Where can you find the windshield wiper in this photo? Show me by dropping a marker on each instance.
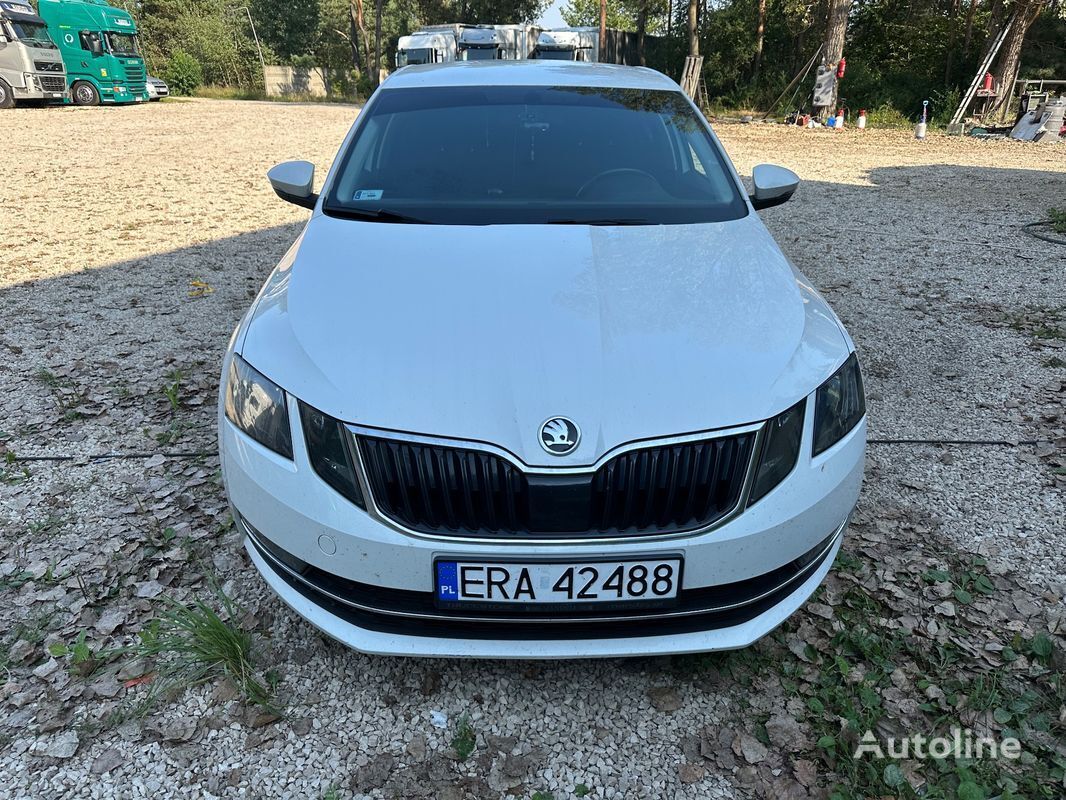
(623, 221)
(375, 214)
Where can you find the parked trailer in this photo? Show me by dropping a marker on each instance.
(517, 42)
(583, 44)
(31, 68)
(99, 46)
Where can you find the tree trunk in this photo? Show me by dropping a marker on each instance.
(836, 26)
(603, 30)
(693, 28)
(760, 33)
(361, 24)
(642, 28)
(1011, 58)
(377, 41)
(953, 38)
(353, 31)
(968, 36)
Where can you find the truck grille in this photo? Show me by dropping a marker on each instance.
(135, 78)
(52, 83)
(48, 66)
(464, 492)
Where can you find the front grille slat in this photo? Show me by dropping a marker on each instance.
(52, 83)
(462, 492)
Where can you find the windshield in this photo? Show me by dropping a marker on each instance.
(534, 155)
(416, 55)
(122, 44)
(556, 55)
(34, 34)
(479, 53)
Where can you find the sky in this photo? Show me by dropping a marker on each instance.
(551, 18)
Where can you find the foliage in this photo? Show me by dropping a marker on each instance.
(465, 740)
(183, 73)
(899, 52)
(621, 14)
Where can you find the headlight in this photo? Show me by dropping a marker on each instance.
(839, 405)
(780, 449)
(330, 453)
(257, 406)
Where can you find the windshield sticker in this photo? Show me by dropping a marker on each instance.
(367, 194)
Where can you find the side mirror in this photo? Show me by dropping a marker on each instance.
(773, 185)
(292, 182)
(96, 46)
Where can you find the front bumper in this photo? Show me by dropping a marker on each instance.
(367, 584)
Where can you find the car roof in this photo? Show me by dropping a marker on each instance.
(530, 72)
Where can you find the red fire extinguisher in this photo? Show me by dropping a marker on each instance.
(989, 82)
(840, 67)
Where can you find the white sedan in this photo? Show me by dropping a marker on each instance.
(536, 382)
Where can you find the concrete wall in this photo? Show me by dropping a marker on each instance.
(294, 80)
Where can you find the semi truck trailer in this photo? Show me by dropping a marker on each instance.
(31, 68)
(583, 44)
(99, 46)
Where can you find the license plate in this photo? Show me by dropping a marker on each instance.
(649, 581)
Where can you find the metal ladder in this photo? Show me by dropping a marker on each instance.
(990, 56)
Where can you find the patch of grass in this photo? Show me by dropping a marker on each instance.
(332, 793)
(542, 796)
(1058, 219)
(887, 116)
(49, 526)
(16, 580)
(82, 658)
(581, 790)
(234, 93)
(65, 392)
(172, 388)
(175, 431)
(465, 740)
(1054, 362)
(191, 644)
(10, 472)
(1040, 322)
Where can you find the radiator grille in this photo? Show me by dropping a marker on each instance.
(52, 83)
(463, 492)
(135, 77)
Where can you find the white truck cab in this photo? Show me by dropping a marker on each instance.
(425, 47)
(570, 44)
(479, 44)
(31, 68)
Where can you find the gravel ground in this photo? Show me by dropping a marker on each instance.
(155, 228)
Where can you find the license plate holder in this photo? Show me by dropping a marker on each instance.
(455, 589)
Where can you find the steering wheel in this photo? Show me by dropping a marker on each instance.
(647, 177)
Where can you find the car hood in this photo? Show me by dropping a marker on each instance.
(483, 333)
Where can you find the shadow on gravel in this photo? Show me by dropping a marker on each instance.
(88, 357)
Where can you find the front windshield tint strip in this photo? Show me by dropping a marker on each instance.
(462, 155)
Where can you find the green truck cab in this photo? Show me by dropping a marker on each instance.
(99, 47)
